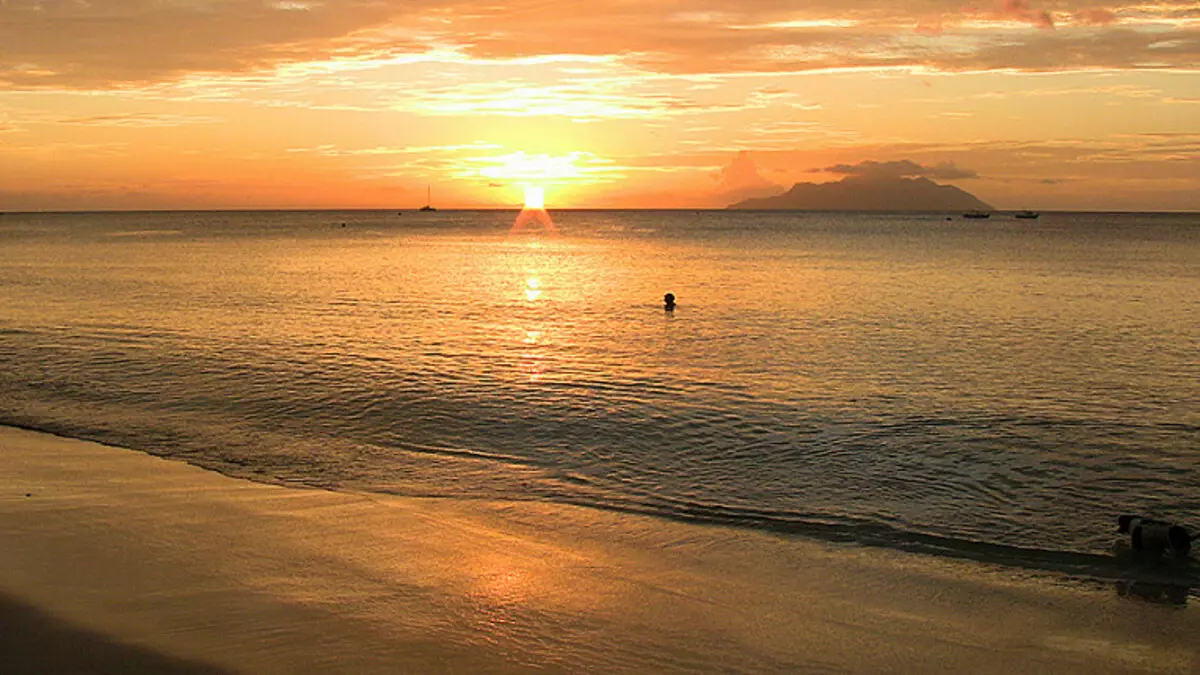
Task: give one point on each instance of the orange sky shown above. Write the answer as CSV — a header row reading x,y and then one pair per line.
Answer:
x,y
1067,104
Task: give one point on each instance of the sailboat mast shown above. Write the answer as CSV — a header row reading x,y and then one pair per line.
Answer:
x,y
428,200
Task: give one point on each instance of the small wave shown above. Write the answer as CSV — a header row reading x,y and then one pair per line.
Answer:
x,y
464,453
143,233
1120,566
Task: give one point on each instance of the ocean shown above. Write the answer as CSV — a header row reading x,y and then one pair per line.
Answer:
x,y
996,389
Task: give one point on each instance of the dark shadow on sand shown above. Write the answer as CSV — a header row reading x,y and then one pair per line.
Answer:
x,y
35,643
1171,595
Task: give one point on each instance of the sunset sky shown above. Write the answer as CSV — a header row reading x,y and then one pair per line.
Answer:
x,y
153,104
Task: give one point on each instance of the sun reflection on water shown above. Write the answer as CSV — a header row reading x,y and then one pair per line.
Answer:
x,y
531,358
533,286
536,262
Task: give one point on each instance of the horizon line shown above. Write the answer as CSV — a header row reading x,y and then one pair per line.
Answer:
x,y
467,209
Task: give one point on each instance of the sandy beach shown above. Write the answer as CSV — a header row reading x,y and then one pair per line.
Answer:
x,y
116,561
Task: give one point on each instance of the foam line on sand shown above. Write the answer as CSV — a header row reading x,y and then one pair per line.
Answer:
x,y
109,553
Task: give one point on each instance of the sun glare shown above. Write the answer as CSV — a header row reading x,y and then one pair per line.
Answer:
x,y
535,198
533,218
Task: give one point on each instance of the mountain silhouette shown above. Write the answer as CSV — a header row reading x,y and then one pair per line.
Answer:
x,y
869,193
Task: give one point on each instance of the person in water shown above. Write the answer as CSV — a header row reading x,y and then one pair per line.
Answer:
x,y
669,302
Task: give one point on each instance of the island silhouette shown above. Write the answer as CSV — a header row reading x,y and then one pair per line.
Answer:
x,y
869,193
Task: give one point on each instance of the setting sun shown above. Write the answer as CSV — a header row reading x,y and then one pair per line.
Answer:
x,y
535,197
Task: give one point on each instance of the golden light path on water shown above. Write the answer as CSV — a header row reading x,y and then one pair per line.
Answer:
x,y
533,220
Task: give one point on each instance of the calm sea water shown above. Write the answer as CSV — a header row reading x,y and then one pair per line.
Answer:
x,y
997,387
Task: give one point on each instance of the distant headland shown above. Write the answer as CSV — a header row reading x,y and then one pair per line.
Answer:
x,y
869,193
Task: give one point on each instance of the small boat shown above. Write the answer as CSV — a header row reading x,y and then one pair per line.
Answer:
x,y
1026,215
977,214
428,201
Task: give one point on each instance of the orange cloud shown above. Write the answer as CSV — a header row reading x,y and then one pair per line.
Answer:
x,y
741,179
123,42
1022,11
83,43
1096,16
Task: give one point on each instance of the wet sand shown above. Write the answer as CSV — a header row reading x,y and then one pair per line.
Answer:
x,y
32,642
112,556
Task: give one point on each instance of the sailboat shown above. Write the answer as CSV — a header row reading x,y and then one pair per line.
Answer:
x,y
428,201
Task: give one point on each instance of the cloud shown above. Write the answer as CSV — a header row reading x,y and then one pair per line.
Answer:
x,y
1020,10
458,149
1116,48
131,41
1096,16
142,120
930,26
761,36
120,43
904,168
740,179
742,173
520,167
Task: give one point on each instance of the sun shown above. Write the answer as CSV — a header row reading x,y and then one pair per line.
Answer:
x,y
533,218
535,197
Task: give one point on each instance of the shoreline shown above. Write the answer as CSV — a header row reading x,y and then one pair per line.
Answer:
x,y
220,574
